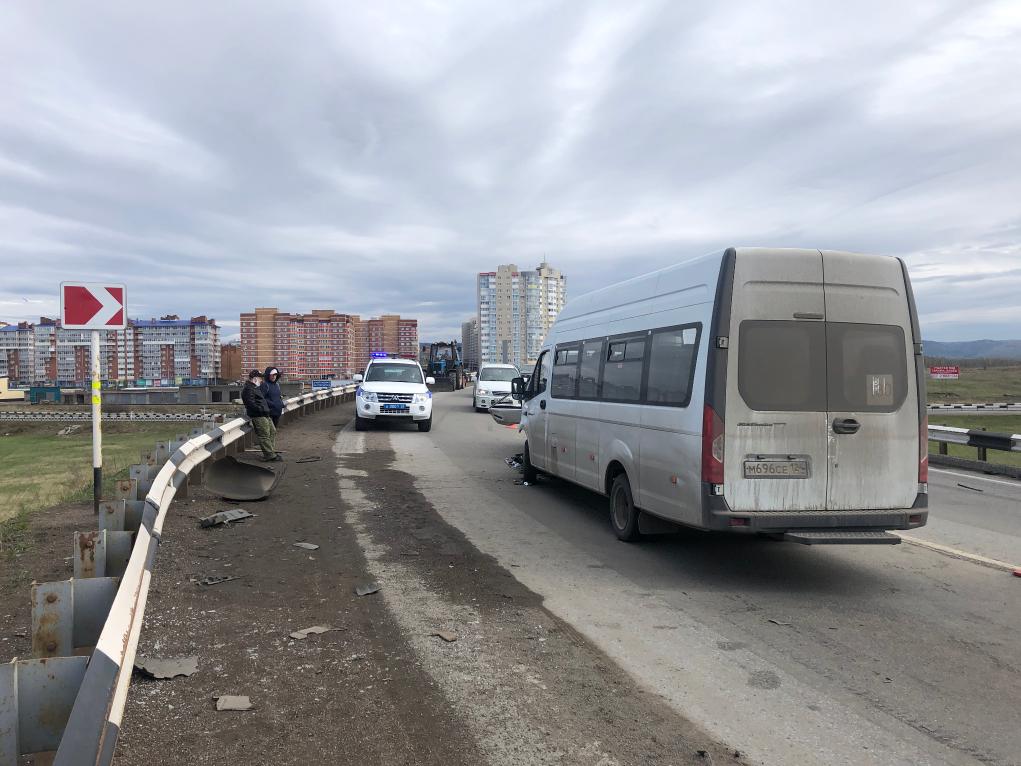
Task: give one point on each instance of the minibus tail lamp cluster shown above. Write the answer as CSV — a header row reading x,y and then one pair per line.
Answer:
x,y
712,448
923,454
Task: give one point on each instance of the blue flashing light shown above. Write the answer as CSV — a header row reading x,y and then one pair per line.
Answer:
x,y
379,355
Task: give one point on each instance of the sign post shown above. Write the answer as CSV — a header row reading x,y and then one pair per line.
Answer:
x,y
95,307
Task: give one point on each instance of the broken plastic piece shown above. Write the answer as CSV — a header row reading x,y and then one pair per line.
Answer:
x,y
307,546
226,517
172,667
367,589
446,635
309,459
778,622
232,702
301,635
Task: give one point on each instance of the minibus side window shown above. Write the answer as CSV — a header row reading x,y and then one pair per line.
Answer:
x,y
565,373
588,377
672,366
622,372
536,383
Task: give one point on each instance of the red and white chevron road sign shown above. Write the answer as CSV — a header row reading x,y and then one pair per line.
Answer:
x,y
93,306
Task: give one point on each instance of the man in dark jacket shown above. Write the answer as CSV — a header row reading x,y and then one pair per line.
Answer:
x,y
271,390
259,412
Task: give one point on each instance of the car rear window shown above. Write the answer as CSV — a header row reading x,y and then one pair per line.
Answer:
x,y
791,366
782,365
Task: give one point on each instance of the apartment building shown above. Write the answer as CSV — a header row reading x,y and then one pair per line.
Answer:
x,y
168,350
515,311
323,343
230,362
470,343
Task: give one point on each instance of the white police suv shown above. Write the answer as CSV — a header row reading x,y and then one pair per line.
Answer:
x,y
393,389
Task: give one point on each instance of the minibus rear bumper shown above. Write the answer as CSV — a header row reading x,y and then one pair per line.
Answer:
x,y
718,516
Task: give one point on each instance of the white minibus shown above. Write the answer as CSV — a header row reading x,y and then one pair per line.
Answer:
x,y
755,390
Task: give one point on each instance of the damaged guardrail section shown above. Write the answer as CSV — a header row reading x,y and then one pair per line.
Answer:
x,y
70,696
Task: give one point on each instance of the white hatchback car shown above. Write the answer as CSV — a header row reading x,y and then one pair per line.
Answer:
x,y
493,384
393,389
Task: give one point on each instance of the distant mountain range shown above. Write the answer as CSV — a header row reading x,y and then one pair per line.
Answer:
x,y
974,349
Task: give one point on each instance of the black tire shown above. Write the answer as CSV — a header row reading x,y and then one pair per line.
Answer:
x,y
623,514
529,472
361,424
426,425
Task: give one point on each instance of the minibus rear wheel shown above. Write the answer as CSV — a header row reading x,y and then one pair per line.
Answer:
x,y
623,514
528,472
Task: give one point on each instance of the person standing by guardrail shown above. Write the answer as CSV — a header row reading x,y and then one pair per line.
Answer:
x,y
258,410
271,390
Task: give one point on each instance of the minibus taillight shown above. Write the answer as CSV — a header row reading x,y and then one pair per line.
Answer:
x,y
712,446
923,451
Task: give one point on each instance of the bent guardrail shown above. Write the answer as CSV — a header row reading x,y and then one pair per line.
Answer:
x,y
75,704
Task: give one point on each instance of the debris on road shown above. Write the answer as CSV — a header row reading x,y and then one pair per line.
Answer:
x,y
226,517
446,635
780,622
367,589
516,462
315,630
307,546
69,430
216,580
172,667
522,483
309,459
973,489
232,702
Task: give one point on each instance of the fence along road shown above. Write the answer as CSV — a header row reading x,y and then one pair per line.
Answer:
x,y
38,696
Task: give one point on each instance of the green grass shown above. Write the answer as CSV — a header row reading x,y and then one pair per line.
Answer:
x,y
993,384
1010,424
39,469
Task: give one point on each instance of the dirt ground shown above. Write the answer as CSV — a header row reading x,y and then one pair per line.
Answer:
x,y
517,686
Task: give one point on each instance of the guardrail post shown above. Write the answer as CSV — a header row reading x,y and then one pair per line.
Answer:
x,y
90,553
52,619
36,697
982,454
944,448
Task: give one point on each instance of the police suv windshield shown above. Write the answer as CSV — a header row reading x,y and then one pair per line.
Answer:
x,y
383,372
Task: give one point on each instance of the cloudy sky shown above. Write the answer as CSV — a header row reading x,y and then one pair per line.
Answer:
x,y
372,156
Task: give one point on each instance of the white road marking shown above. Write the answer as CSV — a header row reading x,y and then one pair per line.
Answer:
x,y
1014,484
957,553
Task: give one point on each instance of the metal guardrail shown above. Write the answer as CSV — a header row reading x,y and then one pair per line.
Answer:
x,y
974,437
967,407
75,704
75,417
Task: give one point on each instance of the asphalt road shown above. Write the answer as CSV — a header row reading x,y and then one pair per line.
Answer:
x,y
793,654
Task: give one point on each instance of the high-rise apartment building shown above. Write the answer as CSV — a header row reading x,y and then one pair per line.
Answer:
x,y
322,344
168,350
515,311
230,362
470,343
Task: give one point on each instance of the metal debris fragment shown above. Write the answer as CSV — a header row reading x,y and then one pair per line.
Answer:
x,y
307,546
216,580
779,622
301,635
233,702
367,589
171,667
309,459
226,517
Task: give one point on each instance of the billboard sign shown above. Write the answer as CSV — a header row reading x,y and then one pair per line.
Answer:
x,y
945,372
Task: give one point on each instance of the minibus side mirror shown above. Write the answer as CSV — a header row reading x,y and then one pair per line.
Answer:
x,y
518,388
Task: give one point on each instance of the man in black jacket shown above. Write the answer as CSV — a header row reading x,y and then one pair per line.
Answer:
x,y
271,390
259,412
